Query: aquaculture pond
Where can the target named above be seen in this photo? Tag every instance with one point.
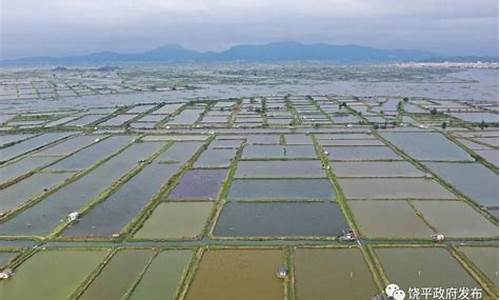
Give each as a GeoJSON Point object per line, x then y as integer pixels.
{"type": "Point", "coordinates": [394, 188]}
{"type": "Point", "coordinates": [13, 138]}
{"type": "Point", "coordinates": [394, 219]}
{"type": "Point", "coordinates": [162, 278]}
{"type": "Point", "coordinates": [281, 189]}
{"type": "Point", "coordinates": [186, 117]}
{"type": "Point", "coordinates": [175, 220]}
{"type": "Point", "coordinates": [418, 267]}
{"type": "Point", "coordinates": [427, 146]}
{"type": "Point", "coordinates": [348, 135]}
{"type": "Point", "coordinates": [280, 219]}
{"type": "Point", "coordinates": [118, 275]}
{"type": "Point", "coordinates": [456, 219]}
{"type": "Point", "coordinates": [180, 151]}
{"type": "Point", "coordinates": [278, 151]}
{"type": "Point", "coordinates": [361, 153]}
{"type": "Point", "coordinates": [264, 139]}
{"type": "Point", "coordinates": [152, 118]}
{"type": "Point", "coordinates": [44, 216]}
{"type": "Point", "coordinates": [89, 156]}
{"type": "Point", "coordinates": [31, 144]}
{"type": "Point", "coordinates": [69, 146]}
{"type": "Point", "coordinates": [215, 158]}
{"type": "Point", "coordinates": [53, 274]}
{"type": "Point", "coordinates": [491, 141]}
{"type": "Point", "coordinates": [298, 139]}
{"type": "Point", "coordinates": [19, 193]}
{"type": "Point", "coordinates": [199, 184]}
{"type": "Point", "coordinates": [227, 142]}
{"type": "Point", "coordinates": [280, 169]}
{"type": "Point", "coordinates": [85, 120]}
{"type": "Point", "coordinates": [168, 108]}
{"type": "Point", "coordinates": [484, 258]}
{"type": "Point", "coordinates": [118, 120]}
{"type": "Point", "coordinates": [6, 257]}
{"type": "Point", "coordinates": [215, 119]}
{"type": "Point", "coordinates": [351, 142]}
{"type": "Point", "coordinates": [140, 109]}
{"type": "Point", "coordinates": [116, 211]}
{"type": "Point", "coordinates": [472, 145]}
{"type": "Point", "coordinates": [332, 273]}
{"type": "Point", "coordinates": [173, 137]}
{"type": "Point", "coordinates": [244, 274]}
{"type": "Point", "coordinates": [490, 155]}
{"type": "Point", "coordinates": [476, 117]}
{"type": "Point", "coordinates": [472, 179]}
{"type": "Point", "coordinates": [376, 169]}
{"type": "Point", "coordinates": [22, 167]}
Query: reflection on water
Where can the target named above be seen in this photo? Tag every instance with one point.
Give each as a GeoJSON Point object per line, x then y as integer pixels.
{"type": "Point", "coordinates": [223, 81]}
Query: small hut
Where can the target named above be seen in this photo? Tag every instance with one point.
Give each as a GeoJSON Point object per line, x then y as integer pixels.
{"type": "Point", "coordinates": [7, 273]}
{"type": "Point", "coordinates": [74, 216]}
{"type": "Point", "coordinates": [437, 237]}
{"type": "Point", "coordinates": [282, 272]}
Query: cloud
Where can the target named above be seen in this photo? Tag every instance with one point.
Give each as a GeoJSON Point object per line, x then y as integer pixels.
{"type": "Point", "coordinates": [56, 27]}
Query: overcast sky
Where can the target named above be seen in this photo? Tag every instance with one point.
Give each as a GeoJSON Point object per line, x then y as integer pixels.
{"type": "Point", "coordinates": [62, 27]}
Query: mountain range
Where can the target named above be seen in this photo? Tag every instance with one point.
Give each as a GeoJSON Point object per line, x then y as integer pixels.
{"type": "Point", "coordinates": [273, 52]}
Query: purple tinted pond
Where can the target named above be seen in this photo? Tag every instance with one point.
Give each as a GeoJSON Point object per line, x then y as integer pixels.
{"type": "Point", "coordinates": [198, 184]}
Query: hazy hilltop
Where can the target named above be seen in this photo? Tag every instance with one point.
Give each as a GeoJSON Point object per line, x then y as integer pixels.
{"type": "Point", "coordinates": [284, 51]}
{"type": "Point", "coordinates": [273, 52]}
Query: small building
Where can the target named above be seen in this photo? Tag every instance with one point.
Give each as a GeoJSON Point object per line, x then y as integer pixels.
{"type": "Point", "coordinates": [74, 216]}
{"type": "Point", "coordinates": [348, 235]}
{"type": "Point", "coordinates": [438, 237]}
{"type": "Point", "coordinates": [7, 273]}
{"type": "Point", "coordinates": [282, 272]}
